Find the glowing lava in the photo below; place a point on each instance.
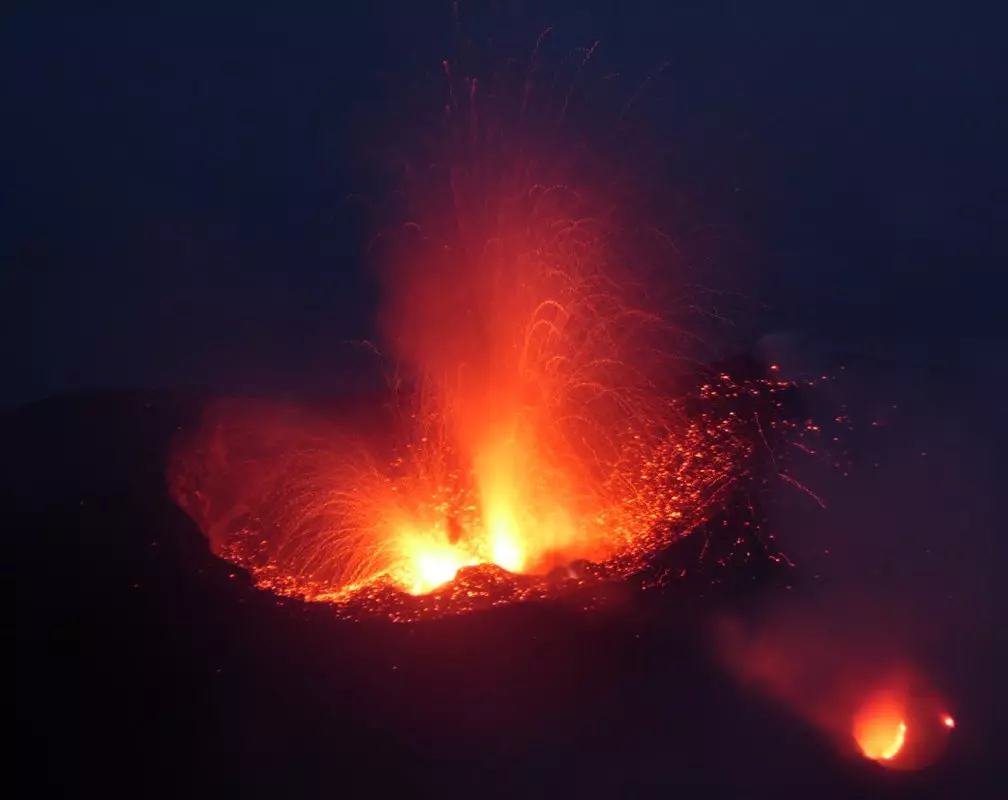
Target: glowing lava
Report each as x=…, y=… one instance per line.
x=536, y=419
x=880, y=730
x=284, y=494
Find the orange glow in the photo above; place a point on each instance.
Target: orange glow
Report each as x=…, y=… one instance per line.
x=880, y=730
x=429, y=563
x=948, y=721
x=315, y=514
x=527, y=321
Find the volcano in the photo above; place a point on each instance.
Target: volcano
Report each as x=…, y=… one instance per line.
x=145, y=663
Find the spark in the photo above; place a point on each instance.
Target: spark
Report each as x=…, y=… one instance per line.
x=787, y=478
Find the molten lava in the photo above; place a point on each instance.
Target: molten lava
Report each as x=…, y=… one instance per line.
x=429, y=562
x=532, y=423
x=881, y=738
x=288, y=496
x=880, y=729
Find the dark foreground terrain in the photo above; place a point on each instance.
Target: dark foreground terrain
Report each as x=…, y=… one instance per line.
x=145, y=667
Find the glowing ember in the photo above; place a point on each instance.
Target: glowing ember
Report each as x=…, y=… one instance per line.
x=880, y=730
x=948, y=721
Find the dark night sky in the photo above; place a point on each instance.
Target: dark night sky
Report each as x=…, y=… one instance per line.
x=174, y=180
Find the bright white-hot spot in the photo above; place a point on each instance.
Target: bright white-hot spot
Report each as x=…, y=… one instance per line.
x=880, y=729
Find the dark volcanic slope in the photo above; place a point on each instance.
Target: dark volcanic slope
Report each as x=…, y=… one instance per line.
x=144, y=665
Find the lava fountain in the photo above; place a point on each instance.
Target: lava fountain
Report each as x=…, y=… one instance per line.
x=533, y=424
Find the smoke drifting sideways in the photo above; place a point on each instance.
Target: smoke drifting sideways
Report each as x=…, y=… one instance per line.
x=888, y=646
